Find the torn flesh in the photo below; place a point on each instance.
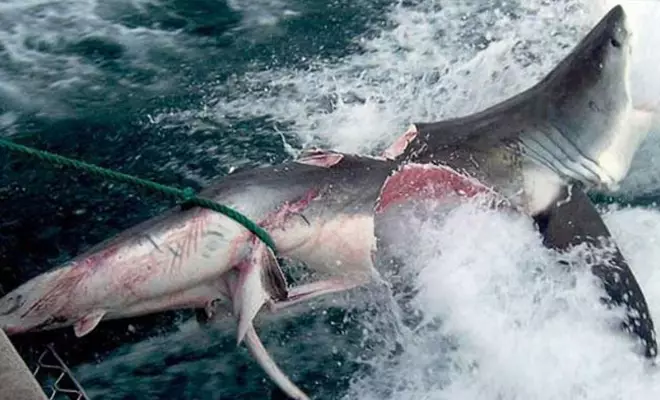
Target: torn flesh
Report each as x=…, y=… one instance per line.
x=427, y=181
x=401, y=143
x=346, y=245
x=320, y=158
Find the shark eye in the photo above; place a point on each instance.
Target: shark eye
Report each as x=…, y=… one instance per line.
x=615, y=43
x=17, y=302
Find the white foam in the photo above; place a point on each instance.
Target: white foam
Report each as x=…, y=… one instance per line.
x=431, y=65
x=263, y=13
x=42, y=45
x=637, y=232
x=523, y=327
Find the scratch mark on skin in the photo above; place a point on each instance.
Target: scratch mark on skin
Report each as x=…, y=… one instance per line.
x=153, y=242
x=189, y=238
x=290, y=208
x=301, y=215
x=188, y=241
x=273, y=220
x=198, y=227
x=63, y=287
x=215, y=233
x=174, y=252
x=181, y=256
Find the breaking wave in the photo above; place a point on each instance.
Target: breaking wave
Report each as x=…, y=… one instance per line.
x=518, y=326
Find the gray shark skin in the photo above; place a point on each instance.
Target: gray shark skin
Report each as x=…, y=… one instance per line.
x=575, y=126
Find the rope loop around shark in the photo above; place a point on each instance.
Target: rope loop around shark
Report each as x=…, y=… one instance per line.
x=534, y=153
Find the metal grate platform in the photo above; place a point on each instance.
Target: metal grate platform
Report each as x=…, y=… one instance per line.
x=56, y=377
x=51, y=379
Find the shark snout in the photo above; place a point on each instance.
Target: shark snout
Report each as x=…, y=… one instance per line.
x=617, y=13
x=617, y=23
x=11, y=303
x=32, y=304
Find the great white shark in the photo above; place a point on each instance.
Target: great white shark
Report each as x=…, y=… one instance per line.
x=543, y=148
x=328, y=209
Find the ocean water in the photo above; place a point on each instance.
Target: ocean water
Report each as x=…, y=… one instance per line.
x=186, y=91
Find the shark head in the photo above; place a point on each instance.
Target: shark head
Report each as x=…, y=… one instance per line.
x=575, y=125
x=596, y=63
x=34, y=305
x=588, y=130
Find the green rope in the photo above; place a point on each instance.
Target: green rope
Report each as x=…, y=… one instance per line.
x=187, y=194
x=623, y=201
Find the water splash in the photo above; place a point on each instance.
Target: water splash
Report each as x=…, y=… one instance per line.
x=502, y=319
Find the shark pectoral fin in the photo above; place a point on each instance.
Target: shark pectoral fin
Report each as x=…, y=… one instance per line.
x=576, y=220
x=262, y=357
x=87, y=323
x=259, y=281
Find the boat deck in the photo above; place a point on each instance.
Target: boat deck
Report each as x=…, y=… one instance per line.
x=16, y=379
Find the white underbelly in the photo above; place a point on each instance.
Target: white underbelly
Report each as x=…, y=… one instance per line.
x=338, y=247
